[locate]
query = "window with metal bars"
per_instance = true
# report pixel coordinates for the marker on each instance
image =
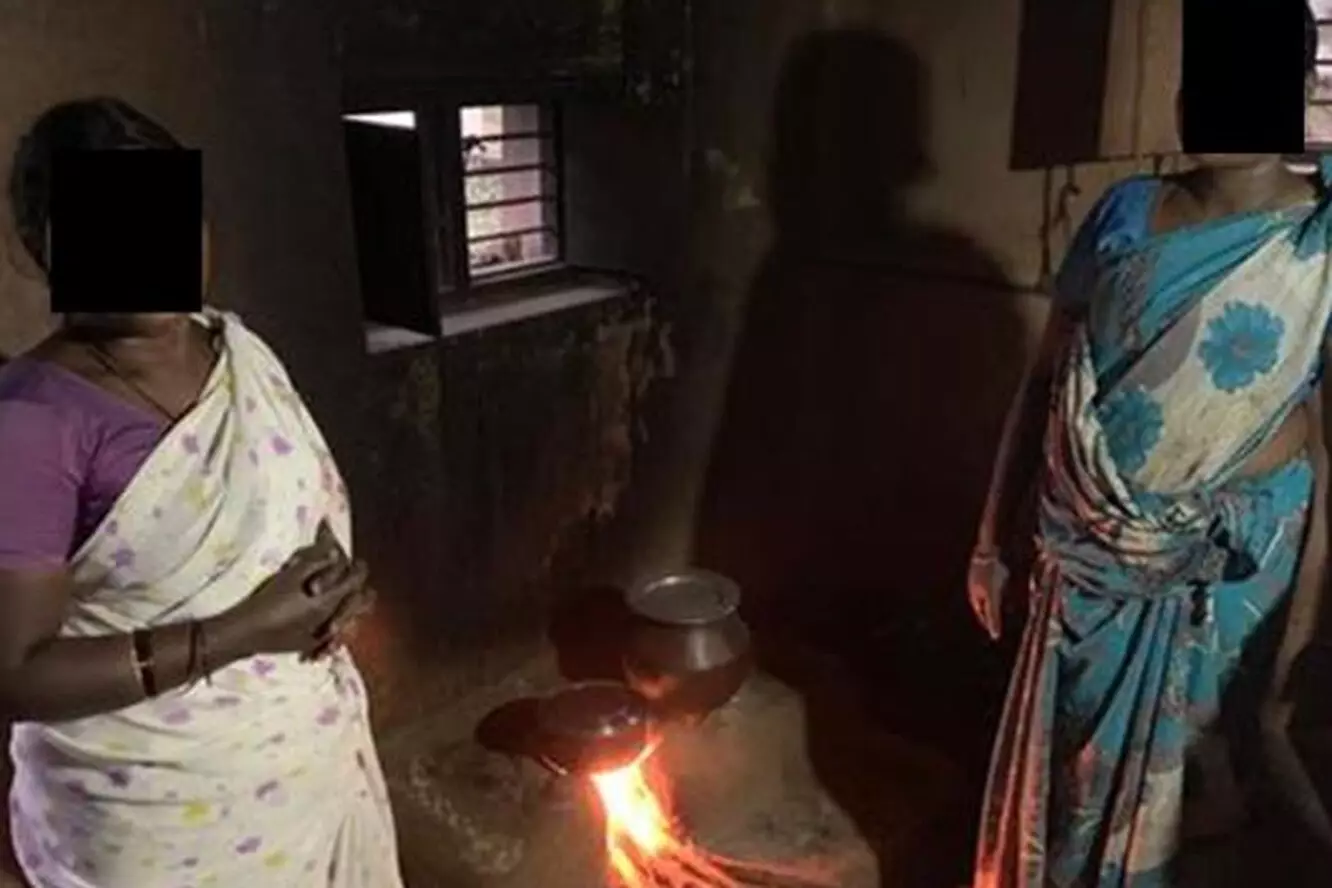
(1318, 118)
(448, 199)
(511, 189)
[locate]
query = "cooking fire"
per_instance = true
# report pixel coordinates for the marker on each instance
(646, 847)
(687, 654)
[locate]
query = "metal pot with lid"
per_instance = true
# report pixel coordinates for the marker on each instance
(687, 650)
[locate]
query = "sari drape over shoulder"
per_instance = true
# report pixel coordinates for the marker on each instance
(1157, 563)
(266, 776)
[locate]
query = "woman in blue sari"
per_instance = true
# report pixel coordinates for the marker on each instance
(1172, 429)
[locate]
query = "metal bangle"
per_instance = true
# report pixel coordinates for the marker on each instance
(204, 665)
(143, 660)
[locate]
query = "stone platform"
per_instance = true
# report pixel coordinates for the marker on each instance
(777, 776)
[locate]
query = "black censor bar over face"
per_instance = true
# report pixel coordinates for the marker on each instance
(1245, 76)
(126, 231)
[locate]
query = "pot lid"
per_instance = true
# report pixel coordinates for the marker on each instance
(593, 709)
(685, 598)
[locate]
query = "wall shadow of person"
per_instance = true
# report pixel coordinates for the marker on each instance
(878, 357)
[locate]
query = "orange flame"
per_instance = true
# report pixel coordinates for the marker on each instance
(646, 849)
(642, 844)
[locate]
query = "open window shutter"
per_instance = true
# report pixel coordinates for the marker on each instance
(1096, 81)
(1142, 78)
(384, 166)
(1062, 49)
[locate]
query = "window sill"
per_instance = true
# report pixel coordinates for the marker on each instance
(380, 338)
(501, 306)
(524, 303)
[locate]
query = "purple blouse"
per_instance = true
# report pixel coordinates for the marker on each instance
(68, 449)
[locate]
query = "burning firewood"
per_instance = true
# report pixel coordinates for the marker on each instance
(646, 848)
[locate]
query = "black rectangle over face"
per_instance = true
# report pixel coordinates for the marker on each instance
(126, 231)
(1242, 88)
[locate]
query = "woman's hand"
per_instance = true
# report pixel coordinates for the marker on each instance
(986, 579)
(340, 628)
(292, 610)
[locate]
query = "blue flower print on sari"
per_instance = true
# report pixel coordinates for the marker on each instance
(1132, 421)
(1242, 343)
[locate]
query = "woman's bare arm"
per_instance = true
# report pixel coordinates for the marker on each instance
(46, 678)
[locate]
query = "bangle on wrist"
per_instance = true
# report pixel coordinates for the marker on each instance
(198, 667)
(141, 646)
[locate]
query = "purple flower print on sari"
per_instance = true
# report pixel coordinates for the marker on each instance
(177, 715)
(77, 788)
(271, 792)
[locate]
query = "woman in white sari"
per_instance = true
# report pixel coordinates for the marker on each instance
(175, 584)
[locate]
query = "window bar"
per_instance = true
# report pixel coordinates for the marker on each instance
(516, 232)
(507, 137)
(512, 168)
(511, 202)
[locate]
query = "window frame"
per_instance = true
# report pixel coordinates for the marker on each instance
(444, 207)
(1321, 63)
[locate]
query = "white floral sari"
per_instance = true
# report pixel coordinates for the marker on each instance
(267, 776)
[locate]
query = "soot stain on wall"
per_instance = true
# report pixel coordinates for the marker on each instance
(493, 462)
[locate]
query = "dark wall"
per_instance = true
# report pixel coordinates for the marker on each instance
(495, 464)
(867, 385)
(495, 469)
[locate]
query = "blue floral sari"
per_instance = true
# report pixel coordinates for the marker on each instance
(1157, 563)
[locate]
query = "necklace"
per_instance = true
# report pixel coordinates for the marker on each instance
(109, 365)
